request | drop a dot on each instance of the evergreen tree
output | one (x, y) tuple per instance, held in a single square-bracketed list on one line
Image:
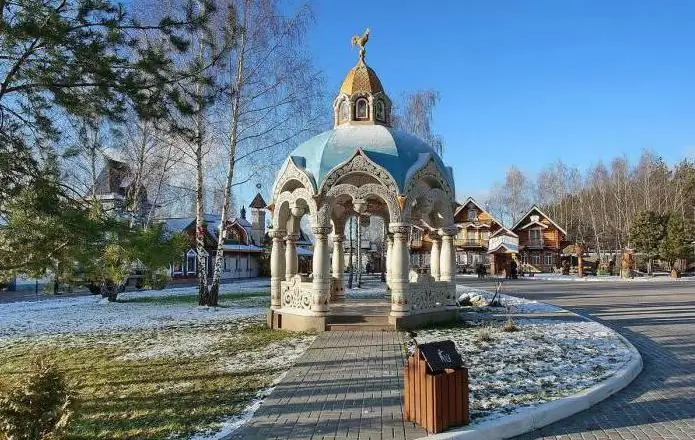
[(646, 233), (677, 240)]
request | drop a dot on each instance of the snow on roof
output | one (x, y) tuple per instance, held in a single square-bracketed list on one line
[(242, 248), (509, 248), (538, 210)]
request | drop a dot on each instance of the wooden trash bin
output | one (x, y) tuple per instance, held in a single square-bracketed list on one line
[(436, 387)]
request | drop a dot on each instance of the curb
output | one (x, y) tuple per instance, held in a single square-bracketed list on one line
[(532, 418)]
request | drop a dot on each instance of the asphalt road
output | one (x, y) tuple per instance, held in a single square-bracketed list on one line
[(658, 317)]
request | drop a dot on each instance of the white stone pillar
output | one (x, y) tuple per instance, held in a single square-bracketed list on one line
[(338, 266), (277, 268), (321, 281), (447, 260), (400, 266), (435, 256), (291, 260), (389, 259)]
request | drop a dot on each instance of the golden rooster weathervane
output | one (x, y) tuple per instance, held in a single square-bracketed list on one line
[(361, 41)]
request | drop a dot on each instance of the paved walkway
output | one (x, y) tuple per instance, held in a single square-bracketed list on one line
[(659, 319), (348, 385)]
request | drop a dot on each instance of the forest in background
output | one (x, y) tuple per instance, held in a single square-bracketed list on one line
[(599, 206)]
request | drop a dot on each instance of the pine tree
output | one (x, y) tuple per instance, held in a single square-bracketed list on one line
[(676, 243), (646, 233)]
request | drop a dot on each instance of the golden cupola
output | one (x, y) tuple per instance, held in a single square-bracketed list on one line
[(362, 99)]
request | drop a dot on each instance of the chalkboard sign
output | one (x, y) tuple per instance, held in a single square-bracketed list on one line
[(440, 355)]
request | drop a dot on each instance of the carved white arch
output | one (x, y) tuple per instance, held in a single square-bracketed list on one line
[(365, 192), (290, 171), (428, 171), (359, 163), (291, 198)]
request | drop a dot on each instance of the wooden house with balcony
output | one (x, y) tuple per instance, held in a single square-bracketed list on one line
[(541, 240), (476, 228)]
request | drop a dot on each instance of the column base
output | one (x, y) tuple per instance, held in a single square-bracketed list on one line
[(286, 320)]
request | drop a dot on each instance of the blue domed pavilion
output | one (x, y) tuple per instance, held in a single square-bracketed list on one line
[(362, 167)]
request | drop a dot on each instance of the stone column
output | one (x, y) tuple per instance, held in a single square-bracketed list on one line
[(447, 260), (400, 266), (435, 256), (277, 268), (389, 259), (321, 281), (291, 261), (338, 266)]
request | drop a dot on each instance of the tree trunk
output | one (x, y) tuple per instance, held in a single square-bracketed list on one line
[(580, 260), (234, 123)]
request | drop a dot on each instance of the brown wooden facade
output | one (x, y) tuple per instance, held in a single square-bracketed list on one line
[(476, 227), (541, 240)]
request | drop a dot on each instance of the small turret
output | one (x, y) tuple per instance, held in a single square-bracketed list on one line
[(258, 206)]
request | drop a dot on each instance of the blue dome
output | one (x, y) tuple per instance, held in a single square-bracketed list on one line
[(393, 149)]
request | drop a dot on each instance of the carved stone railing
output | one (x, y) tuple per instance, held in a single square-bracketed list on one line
[(297, 293), (427, 295)]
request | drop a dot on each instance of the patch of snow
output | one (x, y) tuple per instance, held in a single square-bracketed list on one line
[(482, 298), (544, 360), (89, 314), (613, 278)]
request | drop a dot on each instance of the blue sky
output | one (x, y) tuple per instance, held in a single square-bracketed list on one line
[(527, 82)]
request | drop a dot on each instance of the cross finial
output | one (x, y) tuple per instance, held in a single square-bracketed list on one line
[(361, 41)]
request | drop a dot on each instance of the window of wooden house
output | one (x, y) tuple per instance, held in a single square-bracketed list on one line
[(535, 259), (535, 234), (472, 234), (548, 259), (178, 266), (472, 214), (524, 258), (191, 263), (361, 109)]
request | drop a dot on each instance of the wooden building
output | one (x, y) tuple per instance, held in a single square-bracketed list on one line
[(476, 228), (541, 240)]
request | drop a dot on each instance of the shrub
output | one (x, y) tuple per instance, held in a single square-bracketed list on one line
[(156, 280), (38, 408)]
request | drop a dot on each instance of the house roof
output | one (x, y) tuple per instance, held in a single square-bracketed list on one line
[(506, 247), (538, 210), (258, 202), (242, 248), (505, 230), (477, 205)]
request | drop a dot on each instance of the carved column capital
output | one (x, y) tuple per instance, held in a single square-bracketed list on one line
[(399, 228), (278, 234), (292, 237), (338, 238), (321, 230)]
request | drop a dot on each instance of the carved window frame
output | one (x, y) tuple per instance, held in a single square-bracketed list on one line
[(358, 103)]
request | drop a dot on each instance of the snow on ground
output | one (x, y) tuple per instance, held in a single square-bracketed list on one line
[(481, 298), (88, 314), (559, 277), (544, 360)]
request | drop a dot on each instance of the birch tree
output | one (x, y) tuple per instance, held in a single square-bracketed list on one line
[(271, 99)]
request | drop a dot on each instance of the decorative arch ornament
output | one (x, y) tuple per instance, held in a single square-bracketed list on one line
[(290, 171), (359, 163), (364, 192), (291, 198)]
